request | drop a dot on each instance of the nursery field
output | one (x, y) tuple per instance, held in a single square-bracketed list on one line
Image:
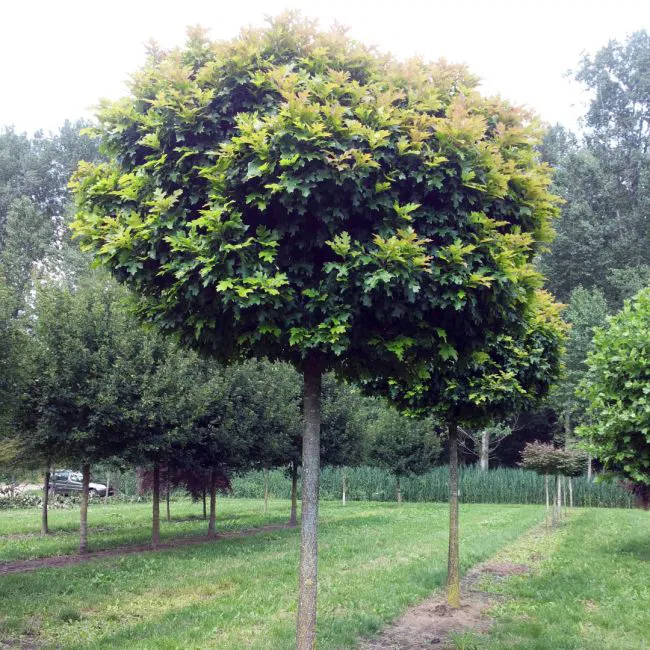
[(376, 559)]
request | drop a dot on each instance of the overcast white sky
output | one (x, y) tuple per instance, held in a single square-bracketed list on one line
[(58, 57)]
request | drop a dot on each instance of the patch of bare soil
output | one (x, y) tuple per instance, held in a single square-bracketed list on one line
[(21, 566), (431, 623)]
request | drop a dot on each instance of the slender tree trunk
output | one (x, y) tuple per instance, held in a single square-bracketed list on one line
[(293, 519), (556, 501), (559, 498), (344, 495), (590, 468), (453, 563), (548, 505), (570, 492), (212, 524), (485, 450), (108, 485), (167, 490), (46, 496), (564, 493), (205, 508), (398, 491), (155, 525), (83, 512), (266, 491), (308, 581)]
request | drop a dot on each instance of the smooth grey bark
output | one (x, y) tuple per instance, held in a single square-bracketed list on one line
[(398, 490), (212, 523), (344, 491), (293, 519), (485, 450), (453, 560), (570, 492), (548, 503), (308, 570), (108, 485), (83, 511), (155, 522), (46, 495), (167, 490)]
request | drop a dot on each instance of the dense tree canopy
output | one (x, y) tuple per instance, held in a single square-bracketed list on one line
[(617, 387), (586, 311), (291, 191), (604, 234)]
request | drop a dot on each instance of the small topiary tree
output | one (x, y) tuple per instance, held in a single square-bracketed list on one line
[(405, 446), (509, 374)]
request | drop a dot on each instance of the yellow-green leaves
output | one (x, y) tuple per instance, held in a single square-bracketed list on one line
[(292, 190)]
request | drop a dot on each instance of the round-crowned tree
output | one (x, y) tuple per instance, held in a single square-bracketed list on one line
[(617, 390), (405, 446), (509, 374), (294, 194)]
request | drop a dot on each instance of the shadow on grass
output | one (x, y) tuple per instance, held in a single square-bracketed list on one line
[(639, 548)]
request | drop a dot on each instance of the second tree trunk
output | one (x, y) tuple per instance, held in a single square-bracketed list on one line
[(155, 522), (453, 560), (46, 494), (212, 523), (83, 512), (293, 519)]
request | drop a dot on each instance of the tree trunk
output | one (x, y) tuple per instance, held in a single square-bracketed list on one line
[(559, 498), (556, 498), (167, 490), (108, 485), (212, 524), (398, 491), (548, 504), (205, 508), (46, 495), (590, 468), (293, 519), (155, 525), (308, 580), (344, 491), (266, 491), (564, 493), (83, 512), (570, 492), (453, 563), (485, 450)]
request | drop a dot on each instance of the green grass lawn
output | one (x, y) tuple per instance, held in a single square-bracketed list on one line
[(591, 590), (120, 524), (375, 560)]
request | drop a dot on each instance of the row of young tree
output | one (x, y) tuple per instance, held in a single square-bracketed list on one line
[(92, 385)]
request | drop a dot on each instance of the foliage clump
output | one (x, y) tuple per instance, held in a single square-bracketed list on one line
[(292, 190), (617, 390)]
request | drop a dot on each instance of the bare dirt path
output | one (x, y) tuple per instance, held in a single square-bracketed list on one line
[(431, 623), (22, 566)]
